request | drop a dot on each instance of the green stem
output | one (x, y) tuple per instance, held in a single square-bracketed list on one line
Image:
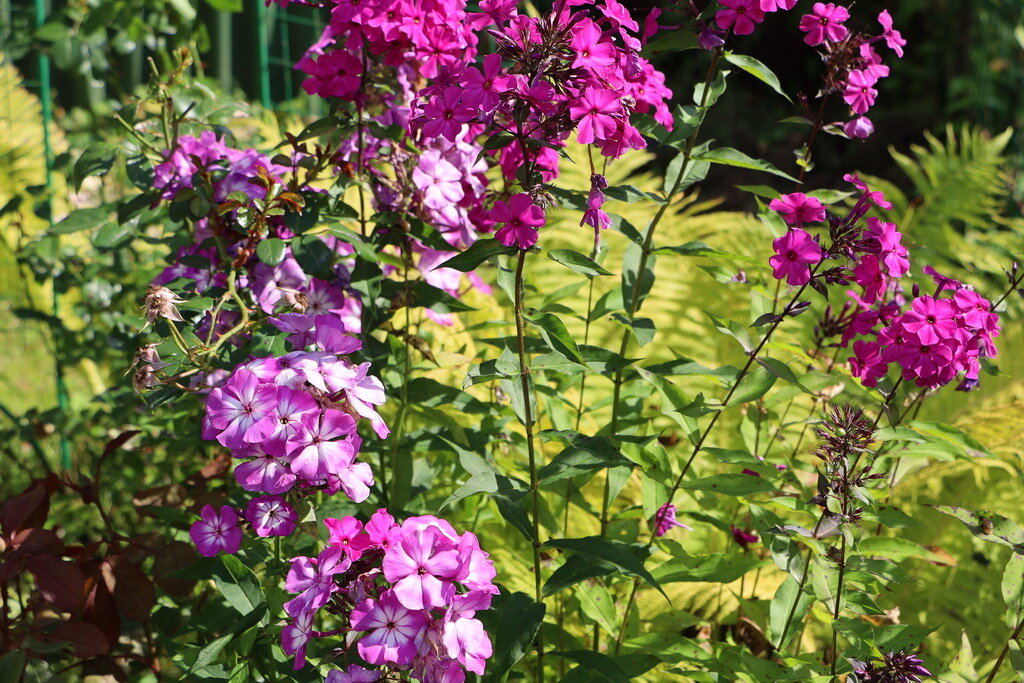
[(1006, 649), (524, 378), (645, 254)]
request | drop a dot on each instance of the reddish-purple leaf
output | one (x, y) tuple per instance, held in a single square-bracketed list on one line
[(60, 582), (177, 555), (132, 590), (86, 638), (29, 508)]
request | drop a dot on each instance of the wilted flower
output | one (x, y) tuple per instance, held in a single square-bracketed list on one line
[(159, 302)]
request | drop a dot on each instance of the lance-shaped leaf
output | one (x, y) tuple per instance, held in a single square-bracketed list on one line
[(477, 253), (619, 554), (727, 156), (988, 526), (513, 622), (758, 70)]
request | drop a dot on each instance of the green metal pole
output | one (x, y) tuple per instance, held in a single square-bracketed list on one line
[(263, 50), (45, 99)]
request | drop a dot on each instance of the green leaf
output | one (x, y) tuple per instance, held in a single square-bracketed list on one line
[(477, 253), (513, 622), (987, 526), (238, 584), (642, 328), (597, 603), (97, 159), (758, 70), (140, 171), (618, 554), (315, 257), (577, 567), (672, 41), (554, 332), (113, 234), (715, 568), (734, 330), (271, 251), (81, 219), (696, 171), (226, 5), (1012, 589), (755, 385), (727, 156), (695, 248), (789, 599), (730, 484), (583, 455), (577, 262)]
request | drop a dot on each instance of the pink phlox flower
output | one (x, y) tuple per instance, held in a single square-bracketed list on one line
[(871, 62), (867, 363), (591, 51), (335, 74), (216, 531), (319, 447), (743, 537), (742, 16), (616, 13), (825, 24), (392, 630), (353, 674), (444, 115), (296, 636), (892, 37), (348, 534), (860, 93), (776, 5), (943, 282), (464, 637), (877, 197), (438, 180), (330, 336), (355, 478), (267, 471), (797, 209), (422, 568), (291, 407), (860, 127), (319, 297), (868, 274), (382, 529), (521, 218), (271, 516), (483, 89), (665, 520), (313, 580), (492, 12), (363, 393), (596, 113), (299, 327), (243, 409), (891, 251), (932, 320), (625, 138), (795, 252), (476, 570)]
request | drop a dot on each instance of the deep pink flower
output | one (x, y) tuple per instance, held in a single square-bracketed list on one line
[(665, 520), (825, 24), (860, 93), (795, 252), (521, 218), (291, 407), (216, 531), (347, 533), (243, 410), (267, 472), (392, 630), (797, 209), (336, 74), (295, 637), (271, 516), (591, 51), (743, 537), (775, 5), (483, 89), (930, 319), (444, 115), (596, 114), (464, 637), (892, 37), (742, 16), (422, 567), (877, 197), (860, 127)]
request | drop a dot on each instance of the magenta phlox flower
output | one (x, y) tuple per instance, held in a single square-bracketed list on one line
[(665, 520), (795, 252), (871, 62), (930, 319), (319, 297), (243, 410), (825, 24), (797, 209), (464, 637), (890, 249), (319, 447), (382, 529), (216, 531), (625, 138), (422, 567), (860, 92), (867, 363), (476, 569), (742, 16), (347, 533), (330, 336), (777, 5), (392, 630), (355, 479), (521, 218), (942, 281), (596, 113), (743, 537), (363, 393), (267, 471), (290, 409), (271, 516), (353, 674), (444, 115), (313, 580), (483, 90), (438, 180), (591, 51), (868, 274), (859, 127), (335, 74), (892, 37), (876, 197)]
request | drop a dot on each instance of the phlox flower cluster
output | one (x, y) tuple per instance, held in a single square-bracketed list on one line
[(933, 340), (853, 66), (405, 596), (291, 422), (872, 249)]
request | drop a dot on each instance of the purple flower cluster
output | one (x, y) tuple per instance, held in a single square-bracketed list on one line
[(934, 340), (873, 248), (408, 594), (854, 67)]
